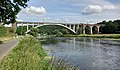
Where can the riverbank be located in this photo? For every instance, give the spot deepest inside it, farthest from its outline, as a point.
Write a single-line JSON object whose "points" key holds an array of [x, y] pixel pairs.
{"points": [[104, 36], [29, 55], [5, 39]]}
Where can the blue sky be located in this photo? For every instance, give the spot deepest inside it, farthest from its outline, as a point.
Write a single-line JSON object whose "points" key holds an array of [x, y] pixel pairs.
{"points": [[73, 11]]}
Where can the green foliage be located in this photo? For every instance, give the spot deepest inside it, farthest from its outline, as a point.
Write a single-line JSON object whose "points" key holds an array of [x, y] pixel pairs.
{"points": [[21, 30], [11, 30], [60, 64], [28, 55], [53, 30], [117, 22], [34, 32], [6, 32], [9, 9], [111, 27], [79, 30], [2, 31]]}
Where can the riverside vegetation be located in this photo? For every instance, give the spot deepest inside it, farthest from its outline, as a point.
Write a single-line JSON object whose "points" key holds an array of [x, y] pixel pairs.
{"points": [[29, 55], [5, 34], [111, 36]]}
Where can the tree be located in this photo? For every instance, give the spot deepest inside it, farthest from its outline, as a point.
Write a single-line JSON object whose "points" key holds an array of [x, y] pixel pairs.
{"points": [[103, 22], [21, 30], [9, 9], [110, 28], [117, 22], [2, 31], [34, 32]]}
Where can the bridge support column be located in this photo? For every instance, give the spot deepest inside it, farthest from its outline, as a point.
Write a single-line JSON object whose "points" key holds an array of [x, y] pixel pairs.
{"points": [[69, 25], [38, 24], [74, 27], [84, 29], [91, 32], [21, 24], [33, 24], [65, 24], [27, 27], [98, 29], [21, 28], [77, 26]]}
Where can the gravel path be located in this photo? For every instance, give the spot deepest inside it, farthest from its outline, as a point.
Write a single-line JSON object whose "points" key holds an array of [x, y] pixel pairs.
{"points": [[5, 48]]}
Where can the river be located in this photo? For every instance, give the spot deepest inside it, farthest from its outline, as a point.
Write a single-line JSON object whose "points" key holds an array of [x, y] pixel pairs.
{"points": [[87, 53]]}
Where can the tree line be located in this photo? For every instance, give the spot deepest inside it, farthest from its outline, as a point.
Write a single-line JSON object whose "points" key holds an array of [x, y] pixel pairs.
{"points": [[111, 27]]}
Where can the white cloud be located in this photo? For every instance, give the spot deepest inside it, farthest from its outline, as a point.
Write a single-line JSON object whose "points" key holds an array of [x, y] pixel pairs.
{"points": [[108, 7], [35, 10], [92, 9], [19, 20]]}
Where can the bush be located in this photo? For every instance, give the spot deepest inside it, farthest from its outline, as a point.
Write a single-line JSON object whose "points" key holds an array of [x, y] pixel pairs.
{"points": [[2, 31], [1, 42]]}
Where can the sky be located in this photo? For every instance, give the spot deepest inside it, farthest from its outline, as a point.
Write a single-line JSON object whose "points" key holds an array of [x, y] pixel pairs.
{"points": [[70, 11]]}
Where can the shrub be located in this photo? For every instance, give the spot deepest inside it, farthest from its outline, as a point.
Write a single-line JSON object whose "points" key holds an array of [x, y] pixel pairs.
{"points": [[2, 31], [1, 42]]}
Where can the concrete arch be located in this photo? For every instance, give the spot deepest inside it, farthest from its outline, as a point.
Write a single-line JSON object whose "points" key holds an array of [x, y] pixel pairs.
{"points": [[95, 30], [55, 25], [101, 29], [87, 29]]}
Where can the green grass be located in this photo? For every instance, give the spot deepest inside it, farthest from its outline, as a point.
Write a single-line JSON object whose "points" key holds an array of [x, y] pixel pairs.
{"points": [[29, 55], [115, 36]]}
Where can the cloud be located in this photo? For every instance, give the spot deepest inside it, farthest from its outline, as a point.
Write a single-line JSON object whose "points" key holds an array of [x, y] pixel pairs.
{"points": [[92, 9], [19, 20], [108, 7], [35, 10]]}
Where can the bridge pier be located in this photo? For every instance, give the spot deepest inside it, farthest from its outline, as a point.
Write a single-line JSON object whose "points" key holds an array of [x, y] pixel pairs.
{"points": [[98, 29], [74, 27], [69, 25], [78, 26], [27, 27], [84, 29], [33, 25], [91, 32]]}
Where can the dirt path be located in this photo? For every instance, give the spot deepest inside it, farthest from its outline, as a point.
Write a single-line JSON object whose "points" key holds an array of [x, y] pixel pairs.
{"points": [[5, 48]]}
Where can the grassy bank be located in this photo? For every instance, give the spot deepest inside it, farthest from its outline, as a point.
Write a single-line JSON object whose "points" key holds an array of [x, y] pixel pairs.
{"points": [[29, 55], [114, 36], [6, 34]]}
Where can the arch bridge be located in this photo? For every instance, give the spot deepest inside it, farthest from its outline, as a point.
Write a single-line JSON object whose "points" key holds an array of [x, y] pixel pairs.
{"points": [[70, 26]]}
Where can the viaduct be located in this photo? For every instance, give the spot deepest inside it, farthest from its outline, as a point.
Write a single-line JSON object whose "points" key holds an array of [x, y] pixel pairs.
{"points": [[70, 26]]}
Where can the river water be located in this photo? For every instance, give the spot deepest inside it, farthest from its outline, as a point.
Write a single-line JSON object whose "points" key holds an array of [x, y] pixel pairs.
{"points": [[88, 53]]}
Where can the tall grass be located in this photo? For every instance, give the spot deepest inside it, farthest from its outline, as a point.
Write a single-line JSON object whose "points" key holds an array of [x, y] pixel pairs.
{"points": [[29, 55]]}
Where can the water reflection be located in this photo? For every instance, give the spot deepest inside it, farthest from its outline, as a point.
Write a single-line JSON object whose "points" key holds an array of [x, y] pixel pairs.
{"points": [[88, 53]]}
